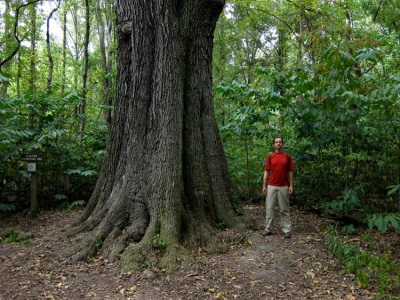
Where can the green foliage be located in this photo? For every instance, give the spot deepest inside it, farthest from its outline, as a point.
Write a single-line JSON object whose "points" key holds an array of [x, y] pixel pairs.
{"points": [[393, 189], [68, 205], [7, 207], [146, 265], [82, 172], [60, 197], [12, 235], [221, 225], [348, 203], [382, 221], [238, 208], [76, 203], [98, 244], [331, 91], [159, 242], [369, 268], [349, 229], [45, 123]]}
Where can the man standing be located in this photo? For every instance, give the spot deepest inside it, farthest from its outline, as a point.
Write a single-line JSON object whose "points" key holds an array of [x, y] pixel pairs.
{"points": [[278, 170]]}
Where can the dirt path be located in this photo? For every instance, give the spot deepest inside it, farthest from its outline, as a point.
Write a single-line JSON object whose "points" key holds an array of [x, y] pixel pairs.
{"points": [[256, 267]]}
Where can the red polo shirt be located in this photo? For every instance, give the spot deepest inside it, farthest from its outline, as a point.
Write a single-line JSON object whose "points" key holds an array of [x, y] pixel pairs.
{"points": [[279, 164]]}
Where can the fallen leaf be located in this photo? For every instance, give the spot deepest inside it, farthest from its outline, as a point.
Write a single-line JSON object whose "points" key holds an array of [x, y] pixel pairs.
{"points": [[311, 274], [133, 288]]}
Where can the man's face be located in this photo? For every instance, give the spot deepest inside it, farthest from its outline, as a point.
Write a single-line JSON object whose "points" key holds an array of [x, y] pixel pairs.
{"points": [[278, 143]]}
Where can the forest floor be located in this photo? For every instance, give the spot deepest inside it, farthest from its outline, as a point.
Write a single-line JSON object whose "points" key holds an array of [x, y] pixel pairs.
{"points": [[255, 267]]}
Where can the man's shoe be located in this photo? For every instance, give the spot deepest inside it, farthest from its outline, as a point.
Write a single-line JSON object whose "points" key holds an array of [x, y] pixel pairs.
{"points": [[287, 235], [265, 233]]}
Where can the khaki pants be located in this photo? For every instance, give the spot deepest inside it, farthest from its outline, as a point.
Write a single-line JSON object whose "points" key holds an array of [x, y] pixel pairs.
{"points": [[280, 193]]}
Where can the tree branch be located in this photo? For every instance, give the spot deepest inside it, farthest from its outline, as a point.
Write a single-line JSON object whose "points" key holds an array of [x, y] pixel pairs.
{"points": [[377, 11], [19, 41], [51, 62]]}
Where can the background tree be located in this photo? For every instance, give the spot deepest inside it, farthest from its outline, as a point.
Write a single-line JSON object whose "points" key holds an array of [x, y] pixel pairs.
{"points": [[105, 23], [82, 106], [42, 119], [6, 44]]}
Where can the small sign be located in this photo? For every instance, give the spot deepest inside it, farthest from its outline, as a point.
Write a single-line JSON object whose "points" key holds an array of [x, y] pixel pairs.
{"points": [[31, 167], [32, 156]]}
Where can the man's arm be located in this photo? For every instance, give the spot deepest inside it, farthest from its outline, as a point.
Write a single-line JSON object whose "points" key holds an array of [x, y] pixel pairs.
{"points": [[290, 182], [265, 181]]}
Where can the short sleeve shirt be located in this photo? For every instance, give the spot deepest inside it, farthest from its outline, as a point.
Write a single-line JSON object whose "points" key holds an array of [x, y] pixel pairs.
{"points": [[279, 165]]}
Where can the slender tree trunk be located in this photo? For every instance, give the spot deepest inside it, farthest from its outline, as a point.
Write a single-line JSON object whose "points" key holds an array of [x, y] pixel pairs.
{"points": [[19, 74], [49, 55], [32, 78], [85, 67], [75, 19], [105, 31], [64, 51], [32, 66], [300, 38], [8, 34], [165, 172], [281, 58]]}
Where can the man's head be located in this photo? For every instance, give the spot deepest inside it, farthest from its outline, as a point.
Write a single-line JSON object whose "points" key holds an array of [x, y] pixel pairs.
{"points": [[278, 144], [277, 140]]}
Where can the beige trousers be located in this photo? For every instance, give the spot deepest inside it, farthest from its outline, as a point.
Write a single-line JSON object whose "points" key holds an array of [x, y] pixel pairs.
{"points": [[280, 193]]}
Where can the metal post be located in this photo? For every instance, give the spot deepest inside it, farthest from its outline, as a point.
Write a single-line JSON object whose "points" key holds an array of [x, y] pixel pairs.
{"points": [[34, 202]]}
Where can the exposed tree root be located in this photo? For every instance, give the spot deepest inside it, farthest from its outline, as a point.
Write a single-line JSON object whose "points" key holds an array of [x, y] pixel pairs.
{"points": [[140, 256], [83, 249], [114, 244], [174, 257]]}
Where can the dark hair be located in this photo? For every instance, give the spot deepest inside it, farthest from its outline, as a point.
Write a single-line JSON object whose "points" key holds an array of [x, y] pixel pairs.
{"points": [[277, 137]]}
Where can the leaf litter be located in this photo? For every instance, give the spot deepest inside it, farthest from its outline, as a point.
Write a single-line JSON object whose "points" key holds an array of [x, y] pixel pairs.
{"points": [[255, 267]]}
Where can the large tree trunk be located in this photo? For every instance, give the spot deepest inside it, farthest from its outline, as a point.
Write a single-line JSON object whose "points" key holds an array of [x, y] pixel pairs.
{"points": [[165, 173]]}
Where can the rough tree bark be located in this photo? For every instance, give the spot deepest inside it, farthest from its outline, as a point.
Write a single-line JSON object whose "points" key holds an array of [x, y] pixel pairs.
{"points": [[165, 173]]}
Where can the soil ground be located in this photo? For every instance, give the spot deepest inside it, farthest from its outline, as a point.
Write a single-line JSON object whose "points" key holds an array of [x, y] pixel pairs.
{"points": [[255, 267]]}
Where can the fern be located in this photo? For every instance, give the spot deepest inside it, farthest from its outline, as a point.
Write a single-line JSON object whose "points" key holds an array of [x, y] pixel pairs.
{"points": [[7, 207]]}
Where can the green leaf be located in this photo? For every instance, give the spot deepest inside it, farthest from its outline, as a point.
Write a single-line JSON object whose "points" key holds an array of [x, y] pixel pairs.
{"points": [[371, 222], [394, 189], [381, 224], [7, 207], [394, 222], [81, 172], [60, 197]]}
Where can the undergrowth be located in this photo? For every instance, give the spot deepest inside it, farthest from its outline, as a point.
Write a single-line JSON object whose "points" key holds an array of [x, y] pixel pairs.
{"points": [[362, 258]]}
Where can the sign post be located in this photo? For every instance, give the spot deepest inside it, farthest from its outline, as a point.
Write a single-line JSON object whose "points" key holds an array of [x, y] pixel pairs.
{"points": [[31, 159]]}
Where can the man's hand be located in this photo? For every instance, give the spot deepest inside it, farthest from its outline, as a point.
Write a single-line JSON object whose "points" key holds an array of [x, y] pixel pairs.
{"points": [[290, 190], [265, 190]]}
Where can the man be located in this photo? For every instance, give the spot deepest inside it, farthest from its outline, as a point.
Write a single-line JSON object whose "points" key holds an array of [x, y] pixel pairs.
{"points": [[278, 169]]}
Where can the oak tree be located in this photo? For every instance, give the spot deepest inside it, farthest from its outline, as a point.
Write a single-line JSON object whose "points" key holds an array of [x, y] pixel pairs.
{"points": [[164, 174]]}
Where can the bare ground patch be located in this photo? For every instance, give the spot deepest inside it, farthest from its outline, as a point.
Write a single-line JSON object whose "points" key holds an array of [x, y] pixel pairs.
{"points": [[255, 267]]}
